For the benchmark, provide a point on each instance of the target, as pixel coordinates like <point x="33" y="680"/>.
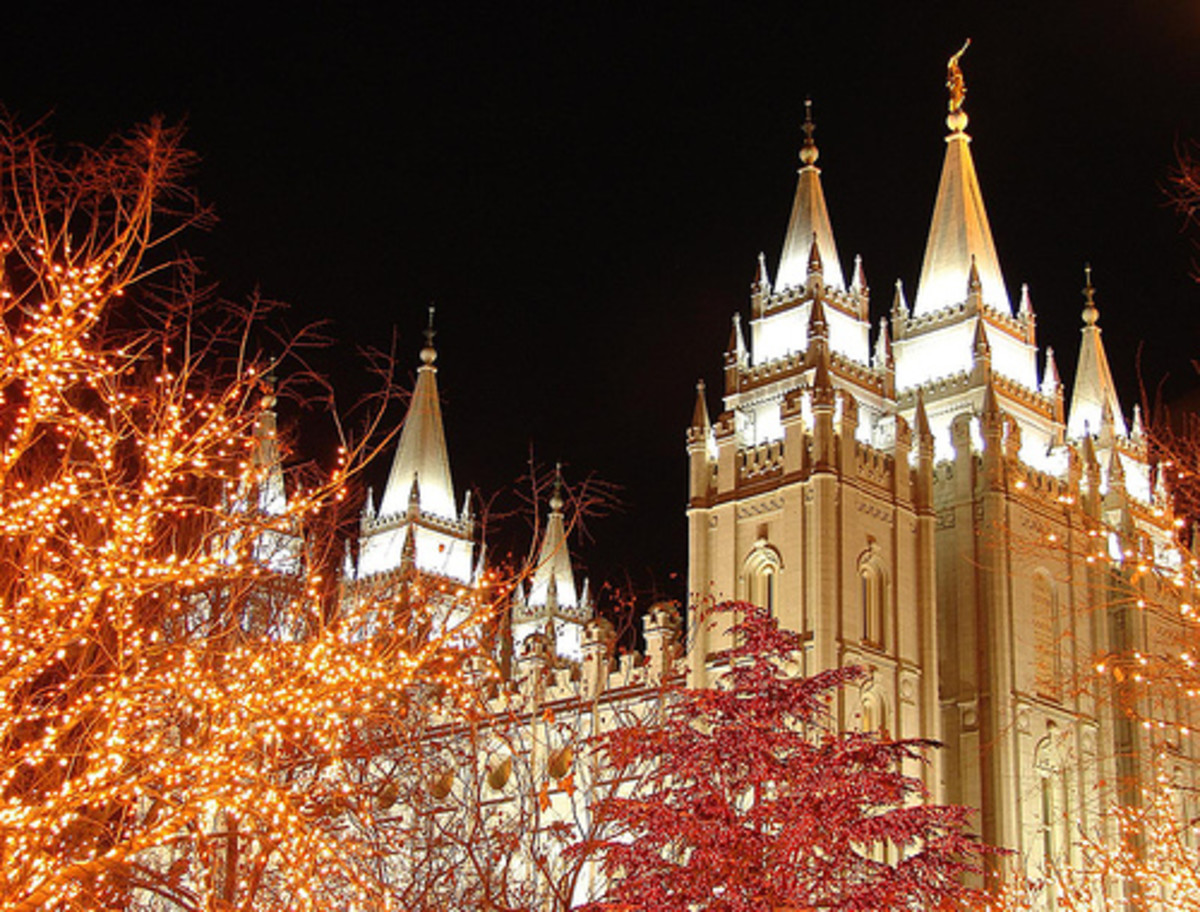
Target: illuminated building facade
<point x="924" y="504"/>
<point x="912" y="495"/>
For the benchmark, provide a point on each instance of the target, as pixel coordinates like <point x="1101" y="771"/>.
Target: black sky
<point x="583" y="188"/>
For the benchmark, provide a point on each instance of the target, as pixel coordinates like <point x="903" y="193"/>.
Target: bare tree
<point x="186" y="718"/>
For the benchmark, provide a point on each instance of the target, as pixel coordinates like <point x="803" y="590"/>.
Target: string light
<point x="174" y="684"/>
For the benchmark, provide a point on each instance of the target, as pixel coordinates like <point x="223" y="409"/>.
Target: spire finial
<point x="556" y="501"/>
<point x="429" y="353"/>
<point x="1090" y="313"/>
<point x="700" y="420"/>
<point x="809" y="153"/>
<point x="956" y="120"/>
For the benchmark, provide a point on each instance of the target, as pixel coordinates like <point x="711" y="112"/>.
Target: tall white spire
<point x="417" y="526"/>
<point x="959" y="230"/>
<point x="809" y="218"/>
<point x="1094" y="396"/>
<point x="421" y="455"/>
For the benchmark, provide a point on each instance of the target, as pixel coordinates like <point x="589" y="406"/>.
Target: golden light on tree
<point x="185" y="713"/>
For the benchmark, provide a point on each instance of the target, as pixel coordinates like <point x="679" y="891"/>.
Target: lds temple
<point x="922" y="496"/>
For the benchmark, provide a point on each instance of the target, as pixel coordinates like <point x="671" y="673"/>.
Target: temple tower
<point x="419" y="525"/>
<point x="809" y="495"/>
<point x="553" y="606"/>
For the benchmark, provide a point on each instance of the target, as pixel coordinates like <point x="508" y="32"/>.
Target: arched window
<point x="1053" y="811"/>
<point x="873" y="716"/>
<point x="873" y="599"/>
<point x="1047" y="638"/>
<point x="760" y="576"/>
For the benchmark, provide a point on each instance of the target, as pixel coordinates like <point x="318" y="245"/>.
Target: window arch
<point x="873" y="598"/>
<point x="873" y="713"/>
<point x="1047" y="638"/>
<point x="1053" y="810"/>
<point x="760" y="576"/>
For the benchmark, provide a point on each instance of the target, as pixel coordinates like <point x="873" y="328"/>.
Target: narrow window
<point x="1047" y="637"/>
<point x="873" y="596"/>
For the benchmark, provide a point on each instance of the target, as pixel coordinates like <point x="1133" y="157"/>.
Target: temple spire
<point x="422" y="448"/>
<point x="700" y="419"/>
<point x="810" y="218"/>
<point x="959" y="230"/>
<point x="271" y="495"/>
<point x="762" y="278"/>
<point x="737" y="341"/>
<point x="1094" y="390"/>
<point x="553" y="577"/>
<point x="1050" y="380"/>
<point x="883" y="346"/>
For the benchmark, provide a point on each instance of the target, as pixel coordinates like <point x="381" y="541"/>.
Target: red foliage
<point x="744" y="796"/>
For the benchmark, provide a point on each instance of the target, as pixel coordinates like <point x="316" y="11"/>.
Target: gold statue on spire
<point x="954" y="79"/>
<point x="957" y="86"/>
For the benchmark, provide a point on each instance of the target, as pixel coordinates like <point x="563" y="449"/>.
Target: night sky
<point x="583" y="189"/>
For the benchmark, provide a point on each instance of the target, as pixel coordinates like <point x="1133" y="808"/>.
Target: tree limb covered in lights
<point x="185" y="720"/>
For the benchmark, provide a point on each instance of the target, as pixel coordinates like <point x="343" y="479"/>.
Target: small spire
<point x="1116" y="468"/>
<point x="1159" y="494"/>
<point x="408" y="551"/>
<point x="815" y="266"/>
<point x="737" y="342"/>
<point x="762" y="279"/>
<point x="1089" y="450"/>
<point x="368" y="510"/>
<point x="974" y="286"/>
<point x="818" y="325"/>
<point x="922" y="419"/>
<point x="1025" y="311"/>
<point x="553" y="582"/>
<point x="700" y="420"/>
<point x="1051" y="382"/>
<point x="1094" y="388"/>
<point x="883" y="345"/>
<point x="991" y="405"/>
<point x="899" y="303"/>
<point x="822" y="389"/>
<point x="859" y="283"/>
<point x="980" y="346"/>
<point x="1107" y="424"/>
<point x="808" y="152"/>
<point x="1138" y="432"/>
<point x="478" y="573"/>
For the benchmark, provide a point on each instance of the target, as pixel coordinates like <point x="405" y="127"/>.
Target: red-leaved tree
<point x="745" y="796"/>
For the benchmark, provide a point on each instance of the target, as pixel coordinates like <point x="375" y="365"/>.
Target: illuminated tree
<point x="187" y="719"/>
<point x="744" y="796"/>
<point x="503" y="788"/>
